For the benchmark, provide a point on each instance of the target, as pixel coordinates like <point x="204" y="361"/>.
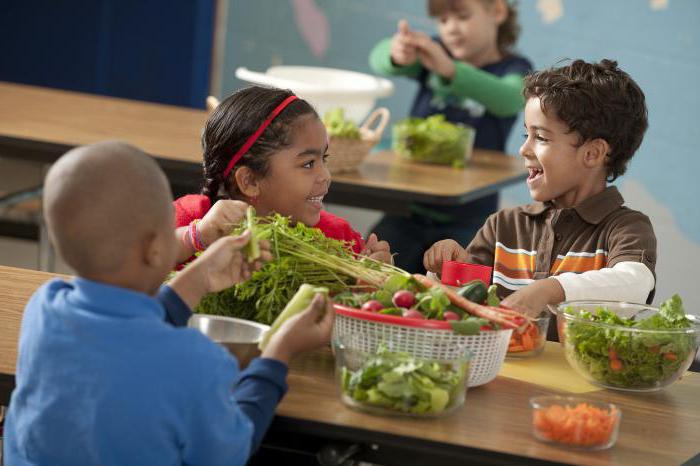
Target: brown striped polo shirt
<point x="536" y="241"/>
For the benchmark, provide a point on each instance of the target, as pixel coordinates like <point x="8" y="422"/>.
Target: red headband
<point x="254" y="137"/>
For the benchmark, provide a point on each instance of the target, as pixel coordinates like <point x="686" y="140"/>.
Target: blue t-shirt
<point x="103" y="379"/>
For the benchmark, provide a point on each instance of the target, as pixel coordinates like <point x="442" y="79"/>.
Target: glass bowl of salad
<point x="626" y="346"/>
<point x="375" y="378"/>
<point x="575" y="422"/>
<point x="433" y="140"/>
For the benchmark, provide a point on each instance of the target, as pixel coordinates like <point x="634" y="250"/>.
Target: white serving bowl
<point x="325" y="88"/>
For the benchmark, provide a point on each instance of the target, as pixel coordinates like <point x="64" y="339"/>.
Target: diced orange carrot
<point x="582" y="425"/>
<point x="670" y="357"/>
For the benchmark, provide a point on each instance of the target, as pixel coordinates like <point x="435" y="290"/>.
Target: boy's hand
<point x="221" y="266"/>
<point x="377" y="250"/>
<point x="402" y="52"/>
<point x="533" y="298"/>
<point x="432" y="55"/>
<point x="305" y="331"/>
<point x="221" y="219"/>
<point x="442" y="251"/>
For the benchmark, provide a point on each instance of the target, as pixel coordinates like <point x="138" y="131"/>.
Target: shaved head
<point x="101" y="201"/>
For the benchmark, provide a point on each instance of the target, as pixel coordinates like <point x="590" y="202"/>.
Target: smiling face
<point x="560" y="169"/>
<point x="470" y="30"/>
<point x="297" y="179"/>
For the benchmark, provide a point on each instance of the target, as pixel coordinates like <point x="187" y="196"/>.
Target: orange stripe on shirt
<point x="579" y="264"/>
<point x="514" y="261"/>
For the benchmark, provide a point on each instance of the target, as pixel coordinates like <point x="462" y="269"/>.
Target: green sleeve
<point x="501" y="95"/>
<point x="380" y="62"/>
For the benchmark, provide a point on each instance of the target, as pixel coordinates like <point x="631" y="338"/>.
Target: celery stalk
<point x="299" y="302"/>
<point x="253" y="246"/>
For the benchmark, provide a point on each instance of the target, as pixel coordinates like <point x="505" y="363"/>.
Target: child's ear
<point x="595" y="153"/>
<point x="247" y="182"/>
<point x="499" y="10"/>
<point x="153" y="254"/>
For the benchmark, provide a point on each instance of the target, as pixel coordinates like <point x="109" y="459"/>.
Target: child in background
<point x="470" y="75"/>
<point x="277" y="168"/>
<point x="584" y="122"/>
<point x="101" y="377"/>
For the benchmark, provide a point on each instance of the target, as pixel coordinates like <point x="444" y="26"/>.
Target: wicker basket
<point x="426" y="339"/>
<point x="347" y="154"/>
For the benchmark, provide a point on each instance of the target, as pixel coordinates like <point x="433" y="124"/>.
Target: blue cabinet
<point x="154" y="50"/>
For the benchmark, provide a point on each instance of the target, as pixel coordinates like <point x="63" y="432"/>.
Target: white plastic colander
<point x="426" y="339"/>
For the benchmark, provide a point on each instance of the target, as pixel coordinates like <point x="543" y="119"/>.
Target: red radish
<point x="413" y="314"/>
<point x="403" y="298"/>
<point x="372" y="306"/>
<point x="449" y="315"/>
<point x="485" y="327"/>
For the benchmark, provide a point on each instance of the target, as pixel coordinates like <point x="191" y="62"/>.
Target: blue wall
<point x="656" y="41"/>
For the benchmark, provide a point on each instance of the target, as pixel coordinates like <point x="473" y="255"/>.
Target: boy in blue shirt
<point x="469" y="74"/>
<point x="102" y="378"/>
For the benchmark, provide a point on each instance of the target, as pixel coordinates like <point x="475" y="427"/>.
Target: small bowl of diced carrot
<point x="529" y="341"/>
<point x="575" y="422"/>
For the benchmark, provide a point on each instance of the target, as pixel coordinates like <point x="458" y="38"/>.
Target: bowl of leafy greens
<point x="433" y="140"/>
<point x="377" y="379"/>
<point x="626" y="346"/>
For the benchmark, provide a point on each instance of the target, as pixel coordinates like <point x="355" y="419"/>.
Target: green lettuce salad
<point x="399" y="382"/>
<point x="433" y="140"/>
<point x="340" y="127"/>
<point x="626" y="358"/>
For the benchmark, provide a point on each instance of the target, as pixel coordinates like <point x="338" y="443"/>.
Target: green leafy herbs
<point x="399" y="382"/>
<point x="433" y="140"/>
<point x="340" y="127"/>
<point x="628" y="359"/>
<point x="301" y="254"/>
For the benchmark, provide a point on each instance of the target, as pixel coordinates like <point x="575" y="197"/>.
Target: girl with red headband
<point x="265" y="148"/>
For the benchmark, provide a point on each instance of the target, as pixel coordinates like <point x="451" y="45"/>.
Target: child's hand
<point x="432" y="55"/>
<point x="442" y="251"/>
<point x="377" y="250"/>
<point x="305" y="331"/>
<point x="221" y="219"/>
<point x="533" y="298"/>
<point x="221" y="266"/>
<point x="402" y="52"/>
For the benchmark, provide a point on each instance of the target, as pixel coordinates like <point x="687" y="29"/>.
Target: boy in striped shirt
<point x="583" y="123"/>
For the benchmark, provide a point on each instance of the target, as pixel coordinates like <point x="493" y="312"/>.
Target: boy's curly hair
<point x="508" y="31"/>
<point x="596" y="100"/>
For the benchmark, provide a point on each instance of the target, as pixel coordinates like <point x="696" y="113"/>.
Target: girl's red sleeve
<point x="339" y="228"/>
<point x="190" y="207"/>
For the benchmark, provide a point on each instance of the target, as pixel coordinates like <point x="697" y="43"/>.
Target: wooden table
<point x="40" y="124"/>
<point x="493" y="427"/>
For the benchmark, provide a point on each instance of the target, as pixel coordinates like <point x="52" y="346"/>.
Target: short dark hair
<point x="596" y="100"/>
<point x="230" y="125"/>
<point x="508" y="31"/>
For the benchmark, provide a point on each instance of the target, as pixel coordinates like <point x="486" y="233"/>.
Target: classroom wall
<point x="656" y="41"/>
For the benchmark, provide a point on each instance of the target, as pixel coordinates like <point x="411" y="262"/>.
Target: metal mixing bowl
<point x="239" y="336"/>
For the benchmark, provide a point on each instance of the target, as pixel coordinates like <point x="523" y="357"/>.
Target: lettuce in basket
<point x="340" y="127"/>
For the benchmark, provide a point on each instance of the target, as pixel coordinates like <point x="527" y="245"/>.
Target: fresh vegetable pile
<point x="418" y="297"/>
<point x="400" y="382"/>
<point x="301" y="254"/>
<point x="433" y="140"/>
<point x="626" y="358"/>
<point x="583" y="425"/>
<point x="340" y="127"/>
